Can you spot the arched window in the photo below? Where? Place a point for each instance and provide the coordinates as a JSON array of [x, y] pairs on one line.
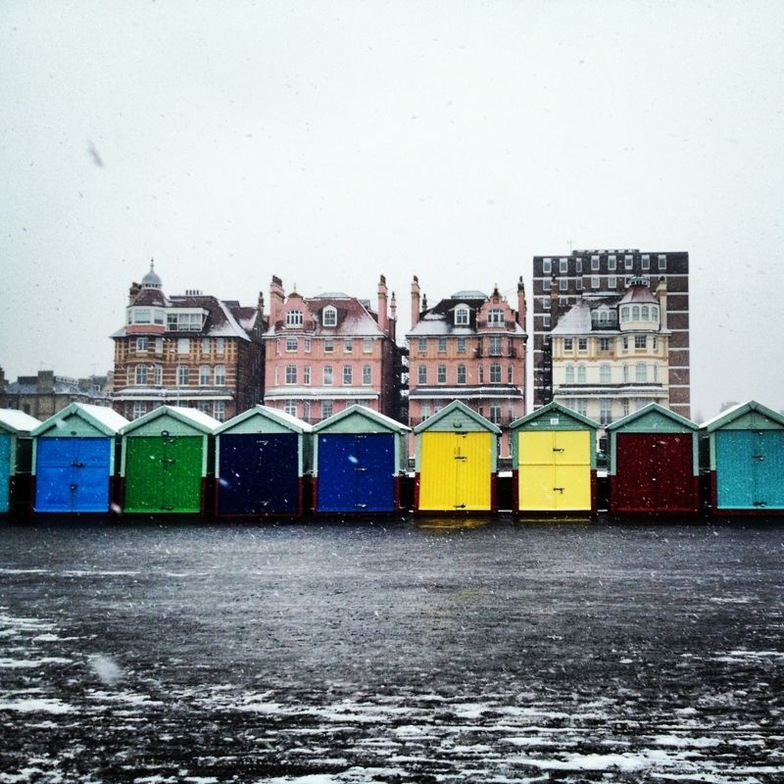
[[462, 316], [570, 374], [604, 373], [141, 375], [329, 316], [581, 374], [635, 312]]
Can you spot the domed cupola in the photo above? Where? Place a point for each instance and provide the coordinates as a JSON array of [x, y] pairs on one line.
[[151, 280]]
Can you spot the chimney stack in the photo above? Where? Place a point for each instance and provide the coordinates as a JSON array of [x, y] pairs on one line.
[[277, 298], [383, 312], [415, 311]]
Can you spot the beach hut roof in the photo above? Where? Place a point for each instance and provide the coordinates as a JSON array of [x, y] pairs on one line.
[[552, 409], [104, 419], [362, 411], [281, 417], [739, 410], [17, 421], [652, 410]]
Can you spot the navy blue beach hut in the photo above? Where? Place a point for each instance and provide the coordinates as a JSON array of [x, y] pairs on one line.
[[74, 459], [359, 458], [262, 460], [654, 463], [742, 451], [16, 458]]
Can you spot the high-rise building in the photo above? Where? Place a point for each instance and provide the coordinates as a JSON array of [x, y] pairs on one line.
[[588, 276]]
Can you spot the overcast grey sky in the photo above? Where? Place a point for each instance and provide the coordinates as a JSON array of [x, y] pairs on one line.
[[331, 142]]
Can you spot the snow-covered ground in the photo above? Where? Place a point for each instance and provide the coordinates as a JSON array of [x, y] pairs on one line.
[[429, 651]]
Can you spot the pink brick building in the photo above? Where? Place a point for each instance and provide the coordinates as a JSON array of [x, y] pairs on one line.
[[326, 353], [469, 347]]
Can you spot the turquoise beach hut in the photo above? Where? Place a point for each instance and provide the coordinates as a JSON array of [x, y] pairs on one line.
[[742, 453], [16, 458]]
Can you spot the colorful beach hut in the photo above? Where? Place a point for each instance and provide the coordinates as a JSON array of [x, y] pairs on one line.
[[74, 459], [16, 458], [166, 461], [262, 460], [359, 458], [742, 451], [654, 463], [554, 461], [456, 463]]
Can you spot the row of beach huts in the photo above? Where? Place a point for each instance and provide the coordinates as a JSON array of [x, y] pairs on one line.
[[265, 464]]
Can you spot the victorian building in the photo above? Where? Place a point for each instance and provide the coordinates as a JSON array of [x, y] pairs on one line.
[[328, 352], [610, 353], [469, 347], [191, 350], [561, 282]]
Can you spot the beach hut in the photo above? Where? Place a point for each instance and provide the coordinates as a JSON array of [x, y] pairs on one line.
[[654, 464], [456, 461], [359, 458], [262, 459], [554, 461], [742, 451], [74, 459], [16, 458], [166, 461]]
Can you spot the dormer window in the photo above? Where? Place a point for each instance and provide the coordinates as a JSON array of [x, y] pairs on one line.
[[294, 318], [329, 316], [462, 316]]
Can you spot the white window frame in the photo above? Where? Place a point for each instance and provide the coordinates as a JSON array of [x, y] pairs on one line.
[[329, 316]]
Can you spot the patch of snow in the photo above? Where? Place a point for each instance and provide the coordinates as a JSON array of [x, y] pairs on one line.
[[36, 706]]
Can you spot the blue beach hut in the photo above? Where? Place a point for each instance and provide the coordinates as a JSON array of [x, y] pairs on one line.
[[16, 457], [74, 459], [359, 458], [742, 452], [262, 459]]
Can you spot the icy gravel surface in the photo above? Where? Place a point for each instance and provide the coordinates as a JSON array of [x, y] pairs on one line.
[[403, 651]]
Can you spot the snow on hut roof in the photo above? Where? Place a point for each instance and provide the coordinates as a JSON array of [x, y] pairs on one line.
[[737, 411], [103, 418], [287, 420], [360, 410], [18, 421]]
